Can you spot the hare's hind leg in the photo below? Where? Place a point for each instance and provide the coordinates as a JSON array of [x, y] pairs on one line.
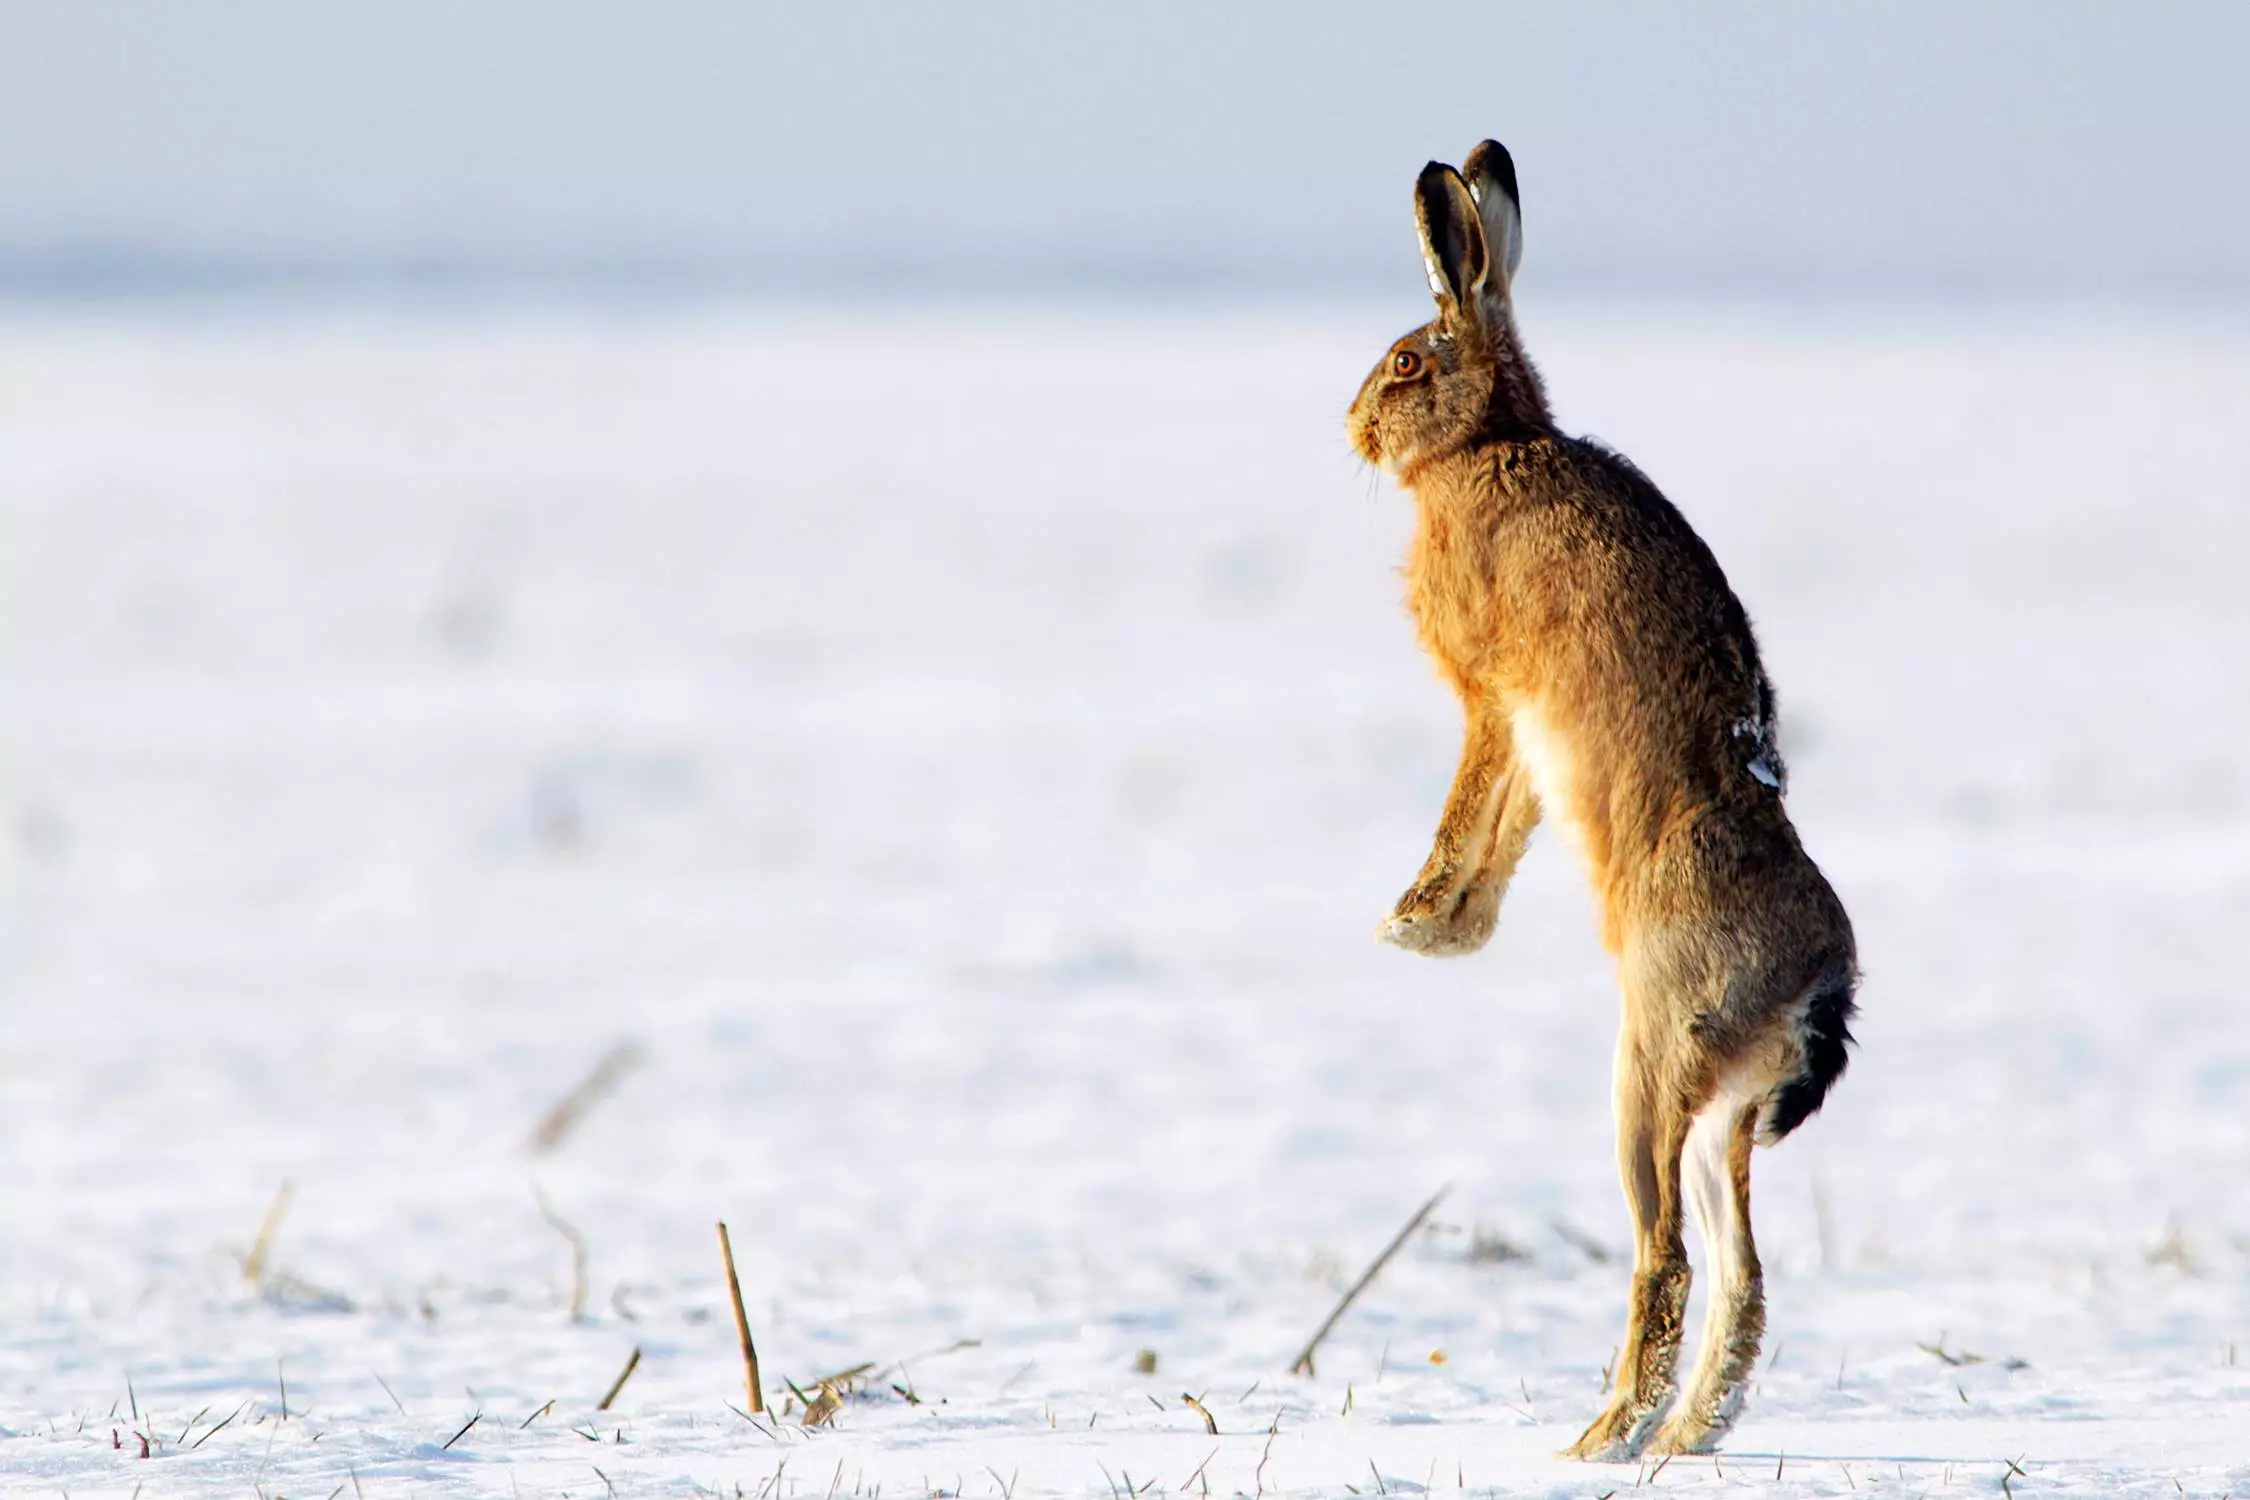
[[1718, 1175], [1652, 1130]]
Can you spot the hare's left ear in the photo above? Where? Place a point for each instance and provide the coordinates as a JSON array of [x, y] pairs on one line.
[[1491, 174], [1452, 238]]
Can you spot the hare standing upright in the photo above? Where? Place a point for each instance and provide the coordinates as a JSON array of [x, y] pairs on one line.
[[1610, 681]]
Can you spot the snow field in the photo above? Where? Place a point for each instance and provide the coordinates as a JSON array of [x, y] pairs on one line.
[[968, 755]]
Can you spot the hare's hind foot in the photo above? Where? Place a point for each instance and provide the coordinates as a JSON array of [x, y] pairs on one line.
[[1686, 1435], [1621, 1433], [1443, 923]]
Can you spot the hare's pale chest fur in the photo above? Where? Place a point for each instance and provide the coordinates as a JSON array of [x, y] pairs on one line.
[[1546, 760], [1483, 603]]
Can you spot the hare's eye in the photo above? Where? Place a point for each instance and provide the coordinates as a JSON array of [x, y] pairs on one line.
[[1406, 364]]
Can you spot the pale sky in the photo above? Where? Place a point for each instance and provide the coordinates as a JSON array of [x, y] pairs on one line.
[[2029, 146]]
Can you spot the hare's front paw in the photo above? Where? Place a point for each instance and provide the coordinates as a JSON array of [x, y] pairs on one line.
[[1442, 923]]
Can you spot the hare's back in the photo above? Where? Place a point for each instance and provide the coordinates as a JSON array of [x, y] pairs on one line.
[[1632, 644], [1642, 572]]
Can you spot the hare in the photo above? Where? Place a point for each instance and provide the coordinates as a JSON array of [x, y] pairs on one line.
[[1610, 682]]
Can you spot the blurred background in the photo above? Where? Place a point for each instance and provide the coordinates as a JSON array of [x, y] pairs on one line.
[[817, 541], [1025, 151]]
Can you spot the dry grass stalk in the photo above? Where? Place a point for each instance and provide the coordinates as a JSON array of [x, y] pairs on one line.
[[1582, 1242], [742, 1324], [821, 1406], [2172, 1250], [847, 1381], [557, 1124], [569, 1231], [221, 1427], [1304, 1361], [261, 1249], [1489, 1247], [1951, 1357], [899, 1367], [632, 1363]]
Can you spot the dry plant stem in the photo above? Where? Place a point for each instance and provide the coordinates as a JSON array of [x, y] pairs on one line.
[[1304, 1362], [843, 1380], [632, 1363], [261, 1249], [870, 1375], [742, 1324], [821, 1407], [557, 1124], [568, 1231], [238, 1411], [1582, 1242]]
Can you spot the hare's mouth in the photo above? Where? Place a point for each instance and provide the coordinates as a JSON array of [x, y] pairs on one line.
[[1395, 459], [1359, 426]]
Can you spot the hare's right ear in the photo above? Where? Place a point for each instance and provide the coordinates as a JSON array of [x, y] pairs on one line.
[[1452, 238], [1491, 175]]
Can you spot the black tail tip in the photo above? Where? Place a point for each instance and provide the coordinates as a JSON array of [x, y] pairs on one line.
[[1823, 1032]]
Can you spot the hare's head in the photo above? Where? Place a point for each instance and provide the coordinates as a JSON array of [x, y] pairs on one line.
[[1462, 375]]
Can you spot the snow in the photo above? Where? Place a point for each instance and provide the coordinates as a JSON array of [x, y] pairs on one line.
[[969, 755]]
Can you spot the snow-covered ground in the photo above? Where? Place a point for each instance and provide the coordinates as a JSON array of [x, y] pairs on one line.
[[968, 756]]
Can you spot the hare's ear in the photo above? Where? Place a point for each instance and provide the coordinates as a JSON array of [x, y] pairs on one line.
[[1491, 174], [1452, 237]]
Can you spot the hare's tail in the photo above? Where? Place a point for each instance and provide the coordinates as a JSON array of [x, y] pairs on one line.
[[1823, 1026]]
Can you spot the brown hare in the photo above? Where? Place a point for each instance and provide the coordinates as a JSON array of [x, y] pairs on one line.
[[1611, 683]]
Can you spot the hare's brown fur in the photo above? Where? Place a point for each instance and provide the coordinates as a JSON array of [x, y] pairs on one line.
[[1611, 683]]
